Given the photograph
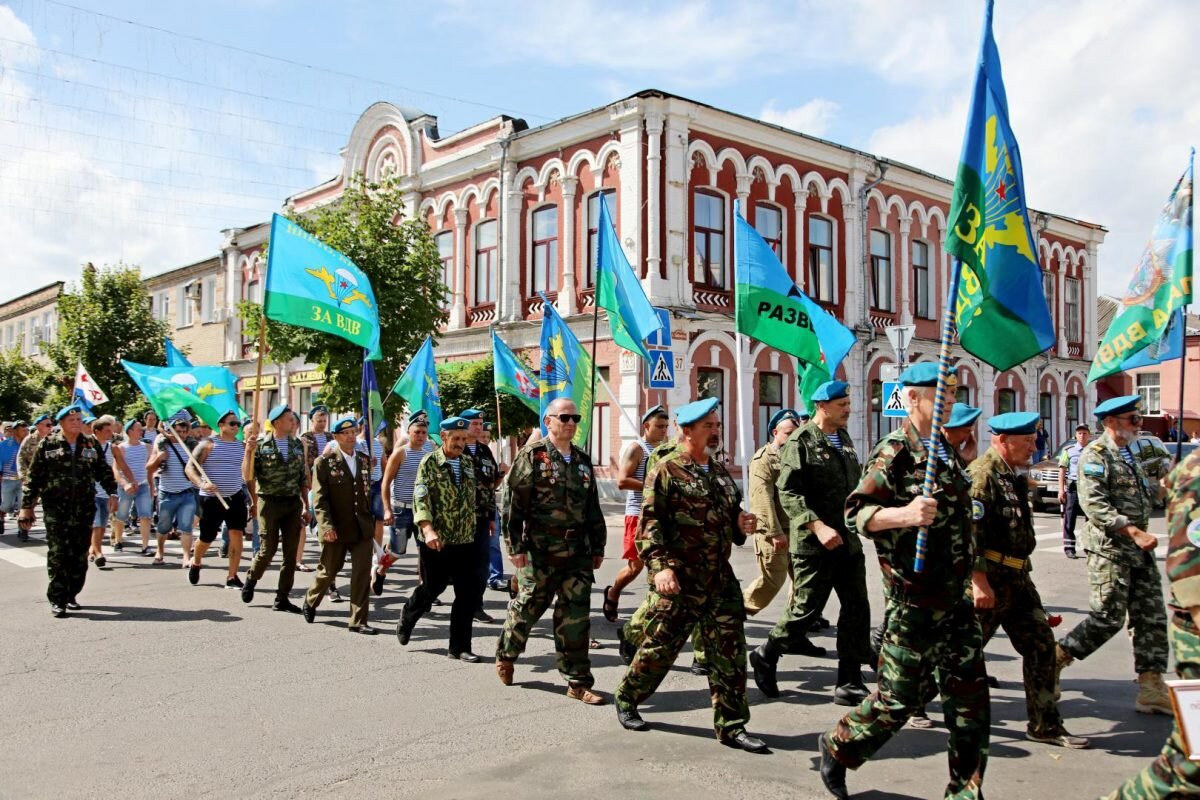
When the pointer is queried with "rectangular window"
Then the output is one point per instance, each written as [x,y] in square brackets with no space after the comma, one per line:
[600,446]
[1006,401]
[1071,311]
[589,279]
[881,271]
[445,247]
[1149,388]
[820,260]
[545,249]
[963,395]
[254,291]
[485,263]
[708,239]
[1048,290]
[8,336]
[22,342]
[1046,410]
[770,399]
[710,382]
[186,307]
[922,308]
[1072,413]
[208,300]
[768,221]
[304,405]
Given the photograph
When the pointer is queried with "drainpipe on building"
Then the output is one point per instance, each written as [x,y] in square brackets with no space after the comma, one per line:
[865,325]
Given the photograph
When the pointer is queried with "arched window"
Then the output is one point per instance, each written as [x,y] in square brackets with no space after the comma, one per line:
[545,249]
[445,246]
[768,221]
[485,262]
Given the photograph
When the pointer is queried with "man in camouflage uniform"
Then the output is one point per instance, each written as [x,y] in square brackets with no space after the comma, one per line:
[818,470]
[63,474]
[931,623]
[555,534]
[1116,497]
[691,517]
[488,475]
[771,538]
[275,466]
[1004,594]
[1173,774]
[41,429]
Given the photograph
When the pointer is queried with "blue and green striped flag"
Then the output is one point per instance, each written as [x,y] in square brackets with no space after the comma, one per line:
[566,371]
[417,386]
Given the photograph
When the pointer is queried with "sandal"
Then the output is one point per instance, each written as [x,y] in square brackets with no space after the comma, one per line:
[609,609]
[158,562]
[594,644]
[304,568]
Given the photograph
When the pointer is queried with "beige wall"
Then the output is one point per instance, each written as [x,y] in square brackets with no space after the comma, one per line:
[28,321]
[192,303]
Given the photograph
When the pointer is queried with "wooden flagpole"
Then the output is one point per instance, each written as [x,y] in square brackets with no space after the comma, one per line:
[192,461]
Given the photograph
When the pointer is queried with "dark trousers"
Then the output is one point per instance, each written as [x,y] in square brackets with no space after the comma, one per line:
[483,557]
[67,541]
[456,565]
[279,523]
[1070,512]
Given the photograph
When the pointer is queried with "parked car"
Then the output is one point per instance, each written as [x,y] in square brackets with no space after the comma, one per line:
[1043,476]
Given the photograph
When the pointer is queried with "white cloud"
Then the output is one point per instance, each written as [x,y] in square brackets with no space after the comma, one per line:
[813,117]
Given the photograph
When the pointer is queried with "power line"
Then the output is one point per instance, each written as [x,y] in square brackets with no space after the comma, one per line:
[139,195]
[144,221]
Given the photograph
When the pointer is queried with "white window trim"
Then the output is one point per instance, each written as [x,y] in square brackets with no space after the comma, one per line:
[834,241]
[529,254]
[697,279]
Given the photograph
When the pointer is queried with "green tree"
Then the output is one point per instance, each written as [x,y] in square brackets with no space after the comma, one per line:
[22,385]
[105,319]
[471,384]
[403,265]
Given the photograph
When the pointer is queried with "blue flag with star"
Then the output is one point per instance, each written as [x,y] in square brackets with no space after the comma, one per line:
[566,371]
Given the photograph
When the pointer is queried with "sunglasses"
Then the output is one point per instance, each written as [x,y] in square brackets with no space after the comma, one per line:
[233,423]
[1134,419]
[567,417]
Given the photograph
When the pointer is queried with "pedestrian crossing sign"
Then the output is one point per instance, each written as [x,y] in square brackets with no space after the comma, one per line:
[893,405]
[662,370]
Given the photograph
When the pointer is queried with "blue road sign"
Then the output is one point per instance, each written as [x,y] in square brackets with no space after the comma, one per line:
[661,337]
[662,370]
[893,406]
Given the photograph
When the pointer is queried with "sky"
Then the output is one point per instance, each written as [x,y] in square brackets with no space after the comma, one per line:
[135,132]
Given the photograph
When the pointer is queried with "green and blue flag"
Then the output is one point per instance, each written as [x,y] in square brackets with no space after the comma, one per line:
[372,402]
[311,285]
[1000,309]
[510,376]
[175,356]
[417,386]
[1161,285]
[619,292]
[566,371]
[209,392]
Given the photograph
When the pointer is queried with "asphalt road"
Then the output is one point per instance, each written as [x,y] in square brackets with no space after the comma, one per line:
[158,689]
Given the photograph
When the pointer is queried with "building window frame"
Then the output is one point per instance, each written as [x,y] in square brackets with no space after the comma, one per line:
[446,256]
[1072,310]
[1006,401]
[708,274]
[544,257]
[922,288]
[770,398]
[883,297]
[1073,413]
[1148,386]
[776,242]
[1048,290]
[484,264]
[824,288]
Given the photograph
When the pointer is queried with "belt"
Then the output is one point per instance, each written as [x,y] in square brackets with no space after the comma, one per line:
[295,497]
[401,506]
[1006,561]
[566,533]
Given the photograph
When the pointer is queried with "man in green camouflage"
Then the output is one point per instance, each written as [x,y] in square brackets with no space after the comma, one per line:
[63,474]
[554,531]
[691,518]
[1173,773]
[41,429]
[276,466]
[445,504]
[931,623]
[1116,496]
[818,470]
[1003,591]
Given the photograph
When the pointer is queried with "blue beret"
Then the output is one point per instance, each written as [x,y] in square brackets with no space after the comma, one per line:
[469,414]
[278,411]
[181,416]
[20,423]
[1017,423]
[924,374]
[454,424]
[87,416]
[1117,405]
[317,409]
[780,416]
[962,416]
[344,424]
[420,412]
[650,412]
[831,390]
[131,423]
[805,416]
[420,418]
[694,412]
[196,423]
[63,412]
[43,418]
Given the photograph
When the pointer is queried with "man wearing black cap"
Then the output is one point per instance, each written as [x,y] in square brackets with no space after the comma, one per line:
[63,475]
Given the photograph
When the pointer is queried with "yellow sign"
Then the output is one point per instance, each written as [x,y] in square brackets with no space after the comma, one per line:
[307,377]
[267,382]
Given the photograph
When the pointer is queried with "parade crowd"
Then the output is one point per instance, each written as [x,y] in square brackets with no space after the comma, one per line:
[812,502]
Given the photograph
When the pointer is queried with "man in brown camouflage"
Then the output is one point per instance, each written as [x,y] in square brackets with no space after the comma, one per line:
[691,518]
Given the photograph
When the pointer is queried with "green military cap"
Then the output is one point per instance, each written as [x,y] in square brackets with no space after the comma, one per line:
[88,416]
[1015,423]
[131,423]
[1118,405]
[962,416]
[488,426]
[694,412]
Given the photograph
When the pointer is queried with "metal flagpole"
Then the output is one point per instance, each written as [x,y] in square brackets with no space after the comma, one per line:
[939,406]
[616,402]
[742,436]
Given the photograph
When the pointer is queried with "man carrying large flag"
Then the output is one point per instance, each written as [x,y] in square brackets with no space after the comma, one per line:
[510,376]
[566,371]
[619,292]
[1161,284]
[417,386]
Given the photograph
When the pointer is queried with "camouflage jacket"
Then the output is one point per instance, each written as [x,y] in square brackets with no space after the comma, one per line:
[313,448]
[1183,529]
[689,522]
[438,500]
[487,478]
[893,476]
[815,478]
[65,477]
[764,498]
[1000,516]
[664,449]
[341,500]
[25,454]
[552,506]
[275,476]
[1112,494]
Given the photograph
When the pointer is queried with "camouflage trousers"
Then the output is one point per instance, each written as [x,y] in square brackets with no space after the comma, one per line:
[774,570]
[68,538]
[718,620]
[635,630]
[918,641]
[1120,591]
[1018,609]
[1172,774]
[568,581]
[814,576]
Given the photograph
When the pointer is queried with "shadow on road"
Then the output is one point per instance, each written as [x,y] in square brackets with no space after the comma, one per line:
[144,614]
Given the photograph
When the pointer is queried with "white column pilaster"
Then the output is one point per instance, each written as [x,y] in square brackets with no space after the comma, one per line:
[566,294]
[677,289]
[905,255]
[654,128]
[509,305]
[458,308]
[799,231]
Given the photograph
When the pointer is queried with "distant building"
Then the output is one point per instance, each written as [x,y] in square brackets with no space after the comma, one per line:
[28,321]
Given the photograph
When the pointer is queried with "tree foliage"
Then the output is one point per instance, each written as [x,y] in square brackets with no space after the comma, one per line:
[403,265]
[22,385]
[471,384]
[105,319]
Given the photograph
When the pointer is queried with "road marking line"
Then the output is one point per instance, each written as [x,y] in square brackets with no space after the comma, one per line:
[21,556]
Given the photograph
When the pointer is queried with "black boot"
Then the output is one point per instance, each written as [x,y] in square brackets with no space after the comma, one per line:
[850,690]
[833,774]
[763,660]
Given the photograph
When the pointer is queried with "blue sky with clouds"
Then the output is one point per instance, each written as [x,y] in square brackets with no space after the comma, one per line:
[121,142]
